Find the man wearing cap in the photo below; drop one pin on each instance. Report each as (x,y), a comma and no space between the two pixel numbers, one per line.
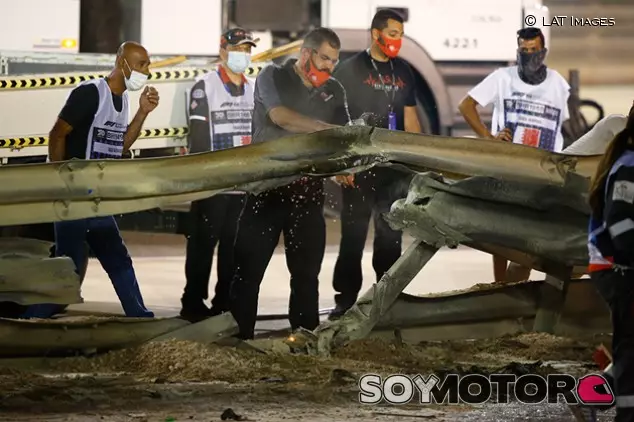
(220,107)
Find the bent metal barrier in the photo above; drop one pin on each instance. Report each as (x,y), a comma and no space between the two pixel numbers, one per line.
(78,188)
(520,202)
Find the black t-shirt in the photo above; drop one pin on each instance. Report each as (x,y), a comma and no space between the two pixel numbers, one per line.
(79,112)
(366,93)
(281,86)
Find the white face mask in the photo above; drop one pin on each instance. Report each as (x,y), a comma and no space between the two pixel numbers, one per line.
(238,61)
(136,80)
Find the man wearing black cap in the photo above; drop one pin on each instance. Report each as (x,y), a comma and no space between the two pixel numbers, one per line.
(298,97)
(220,107)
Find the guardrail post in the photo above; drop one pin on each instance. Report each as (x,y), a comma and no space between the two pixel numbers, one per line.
(574,126)
(552,297)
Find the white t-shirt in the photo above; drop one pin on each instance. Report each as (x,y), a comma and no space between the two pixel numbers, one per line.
(596,140)
(533,113)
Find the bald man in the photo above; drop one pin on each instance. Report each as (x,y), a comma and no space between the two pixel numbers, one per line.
(93,125)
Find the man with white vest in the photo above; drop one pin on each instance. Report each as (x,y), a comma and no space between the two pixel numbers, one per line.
(95,125)
(220,113)
(530,105)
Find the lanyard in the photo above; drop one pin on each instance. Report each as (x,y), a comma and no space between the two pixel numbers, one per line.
(383,87)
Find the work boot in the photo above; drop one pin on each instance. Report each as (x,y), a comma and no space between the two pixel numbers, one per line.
(337,312)
(195,312)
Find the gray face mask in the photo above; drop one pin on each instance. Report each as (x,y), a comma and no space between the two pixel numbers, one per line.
(531,66)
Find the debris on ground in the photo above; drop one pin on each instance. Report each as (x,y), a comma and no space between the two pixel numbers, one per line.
(230,415)
(178,376)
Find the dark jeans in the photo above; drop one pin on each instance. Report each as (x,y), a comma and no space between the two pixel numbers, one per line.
(103,237)
(213,221)
(297,211)
(618,291)
(375,191)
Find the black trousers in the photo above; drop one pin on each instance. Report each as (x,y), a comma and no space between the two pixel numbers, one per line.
(213,221)
(374,192)
(297,211)
(618,291)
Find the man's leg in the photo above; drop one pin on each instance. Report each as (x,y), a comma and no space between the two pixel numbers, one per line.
(618,291)
(226,267)
(106,242)
(206,221)
(258,234)
(70,241)
(304,245)
(355,216)
(390,185)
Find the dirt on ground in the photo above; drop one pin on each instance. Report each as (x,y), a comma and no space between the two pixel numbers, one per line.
(165,381)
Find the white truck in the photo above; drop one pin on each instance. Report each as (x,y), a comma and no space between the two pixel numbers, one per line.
(450,44)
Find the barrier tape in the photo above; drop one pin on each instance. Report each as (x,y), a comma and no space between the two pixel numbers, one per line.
(36,141)
(72,80)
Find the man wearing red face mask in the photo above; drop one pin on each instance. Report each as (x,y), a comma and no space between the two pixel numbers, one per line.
(298,97)
(379,83)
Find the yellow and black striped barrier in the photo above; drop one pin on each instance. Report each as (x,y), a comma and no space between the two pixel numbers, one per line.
(72,80)
(36,141)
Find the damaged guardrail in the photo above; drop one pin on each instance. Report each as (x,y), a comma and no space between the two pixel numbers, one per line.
(75,189)
(545,222)
(509,198)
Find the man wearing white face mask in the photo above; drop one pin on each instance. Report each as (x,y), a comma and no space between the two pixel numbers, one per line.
(95,124)
(220,111)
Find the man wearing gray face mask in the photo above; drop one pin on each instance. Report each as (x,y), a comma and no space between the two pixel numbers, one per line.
(530,105)
(220,113)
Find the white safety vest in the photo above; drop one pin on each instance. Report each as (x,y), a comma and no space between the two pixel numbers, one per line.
(229,117)
(105,137)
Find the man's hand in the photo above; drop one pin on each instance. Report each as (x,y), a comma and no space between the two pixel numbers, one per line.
(149,100)
(345,179)
(504,135)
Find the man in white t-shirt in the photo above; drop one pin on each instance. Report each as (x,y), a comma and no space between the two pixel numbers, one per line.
(530,106)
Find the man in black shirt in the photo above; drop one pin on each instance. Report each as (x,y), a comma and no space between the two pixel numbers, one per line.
(298,97)
(379,83)
(95,124)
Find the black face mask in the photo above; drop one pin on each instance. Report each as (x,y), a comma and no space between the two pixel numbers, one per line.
(531,66)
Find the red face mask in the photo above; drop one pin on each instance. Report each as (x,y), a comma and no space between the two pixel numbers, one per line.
(316,77)
(390,47)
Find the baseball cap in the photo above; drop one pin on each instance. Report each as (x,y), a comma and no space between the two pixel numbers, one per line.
(238,36)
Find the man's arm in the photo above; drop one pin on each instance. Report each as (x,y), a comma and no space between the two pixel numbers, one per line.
(483,94)
(619,216)
(147,103)
(199,139)
(81,105)
(468,109)
(266,94)
(411,121)
(295,122)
